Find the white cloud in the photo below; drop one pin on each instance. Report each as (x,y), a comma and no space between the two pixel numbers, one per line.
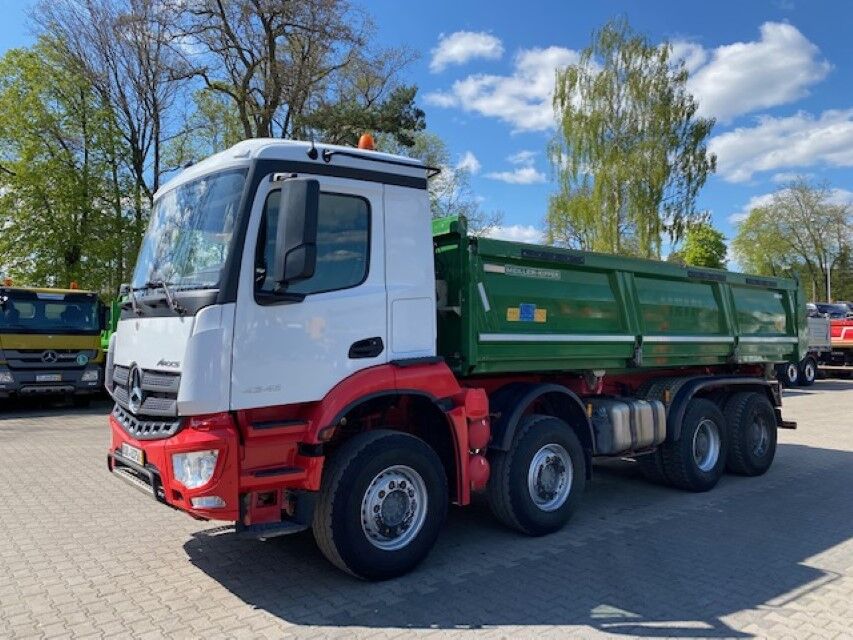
(440,99)
(743,77)
(789,176)
(524,157)
(521,175)
(841,197)
(517,233)
(693,54)
(522,99)
(776,144)
(755,201)
(468,162)
(463,46)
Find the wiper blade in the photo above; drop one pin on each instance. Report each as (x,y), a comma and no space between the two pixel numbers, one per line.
(174,305)
(133,304)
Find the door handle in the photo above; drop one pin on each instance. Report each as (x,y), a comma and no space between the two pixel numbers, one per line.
(367,348)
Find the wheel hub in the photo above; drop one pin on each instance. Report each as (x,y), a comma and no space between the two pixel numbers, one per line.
(758,437)
(549,478)
(393,508)
(706,445)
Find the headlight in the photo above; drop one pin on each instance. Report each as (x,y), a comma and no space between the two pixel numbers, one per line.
(194,469)
(89,375)
(6,377)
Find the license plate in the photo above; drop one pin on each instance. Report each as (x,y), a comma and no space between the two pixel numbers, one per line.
(49,377)
(133,454)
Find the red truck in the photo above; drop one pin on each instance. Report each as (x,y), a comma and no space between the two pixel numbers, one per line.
(303,347)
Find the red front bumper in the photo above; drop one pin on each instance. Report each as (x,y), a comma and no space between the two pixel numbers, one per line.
(156,476)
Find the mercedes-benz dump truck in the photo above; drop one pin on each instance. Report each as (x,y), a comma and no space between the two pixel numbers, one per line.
(303,347)
(50,343)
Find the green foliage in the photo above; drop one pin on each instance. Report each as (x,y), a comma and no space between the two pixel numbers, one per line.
(343,122)
(60,186)
(630,154)
(704,246)
(803,233)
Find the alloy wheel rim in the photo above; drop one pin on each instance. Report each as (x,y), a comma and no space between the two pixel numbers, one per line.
(394,508)
(549,477)
(759,437)
(706,444)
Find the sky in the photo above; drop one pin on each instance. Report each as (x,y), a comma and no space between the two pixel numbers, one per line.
(777,75)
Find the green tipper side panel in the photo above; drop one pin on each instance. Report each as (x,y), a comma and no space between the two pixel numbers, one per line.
(512,307)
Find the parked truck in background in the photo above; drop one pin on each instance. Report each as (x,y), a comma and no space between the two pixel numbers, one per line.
(303,347)
(804,373)
(838,361)
(50,342)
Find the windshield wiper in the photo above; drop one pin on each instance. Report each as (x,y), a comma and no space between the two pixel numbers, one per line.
(174,305)
(133,304)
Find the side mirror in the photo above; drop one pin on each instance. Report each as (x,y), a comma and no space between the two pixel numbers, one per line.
(296,233)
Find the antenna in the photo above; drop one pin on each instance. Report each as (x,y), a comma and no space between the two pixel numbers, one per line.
(312,152)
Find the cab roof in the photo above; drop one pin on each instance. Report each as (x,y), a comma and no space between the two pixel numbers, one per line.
(243,153)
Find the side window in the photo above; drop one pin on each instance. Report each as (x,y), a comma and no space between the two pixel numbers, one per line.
(343,245)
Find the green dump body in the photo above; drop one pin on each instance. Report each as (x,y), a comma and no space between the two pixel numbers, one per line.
(508,307)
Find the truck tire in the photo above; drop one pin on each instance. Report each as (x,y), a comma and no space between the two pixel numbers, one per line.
(697,459)
(382,501)
(807,372)
(751,432)
(788,374)
(536,485)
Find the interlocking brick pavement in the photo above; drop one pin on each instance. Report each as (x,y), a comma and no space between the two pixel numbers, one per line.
(84,555)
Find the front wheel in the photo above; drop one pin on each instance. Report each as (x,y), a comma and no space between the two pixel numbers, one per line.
(382,501)
(536,485)
(807,372)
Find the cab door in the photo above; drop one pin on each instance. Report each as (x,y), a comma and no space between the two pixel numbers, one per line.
(295,351)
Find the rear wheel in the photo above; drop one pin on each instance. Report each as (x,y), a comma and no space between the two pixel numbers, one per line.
(752,433)
(382,501)
(536,485)
(697,459)
(807,372)
(788,374)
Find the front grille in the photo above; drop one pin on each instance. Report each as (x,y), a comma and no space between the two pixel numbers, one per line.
(145,429)
(35,358)
(155,417)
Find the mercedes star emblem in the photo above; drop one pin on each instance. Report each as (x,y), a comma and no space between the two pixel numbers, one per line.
(49,357)
(136,397)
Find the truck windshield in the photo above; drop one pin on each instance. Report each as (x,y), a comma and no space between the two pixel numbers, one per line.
(189,235)
(834,311)
(32,312)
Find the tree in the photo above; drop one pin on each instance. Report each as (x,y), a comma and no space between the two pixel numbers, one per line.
(800,230)
(125,50)
(450,191)
(60,185)
(704,246)
(293,66)
(630,154)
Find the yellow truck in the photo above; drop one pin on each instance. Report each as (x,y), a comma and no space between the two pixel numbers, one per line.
(50,342)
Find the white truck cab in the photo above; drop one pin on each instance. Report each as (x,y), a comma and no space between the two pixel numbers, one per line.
(212,327)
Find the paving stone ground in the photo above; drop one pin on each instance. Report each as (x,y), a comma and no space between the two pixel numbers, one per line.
(82,554)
